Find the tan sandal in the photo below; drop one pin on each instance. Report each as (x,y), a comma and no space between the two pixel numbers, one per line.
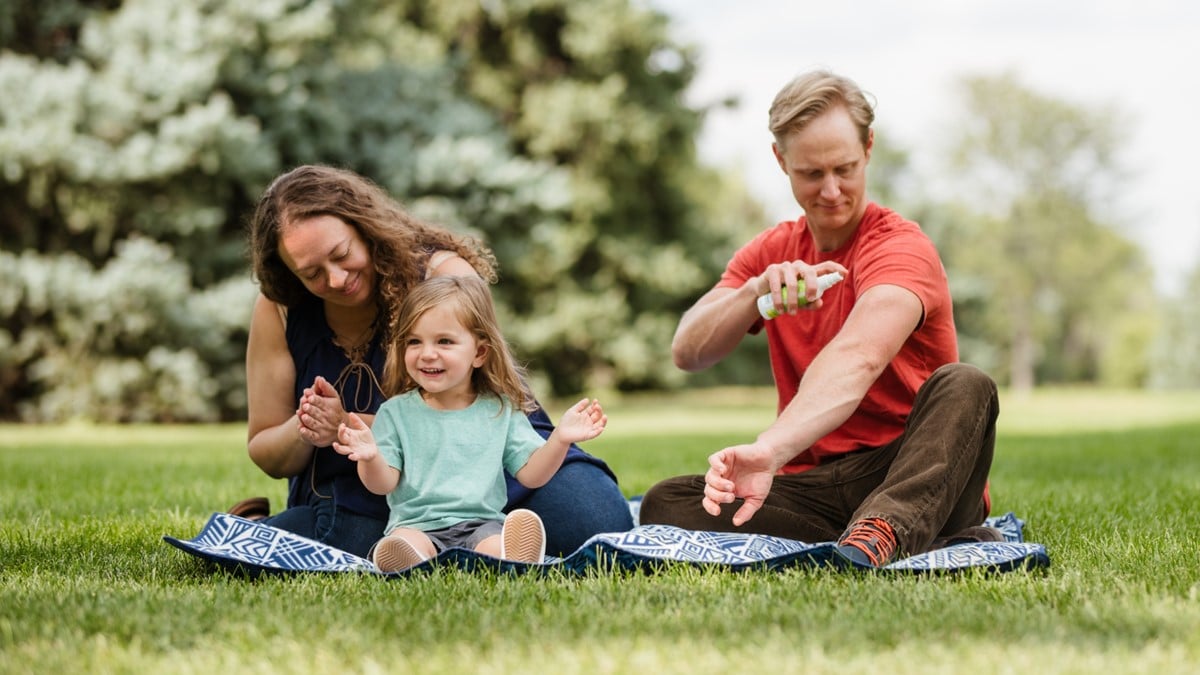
(254,508)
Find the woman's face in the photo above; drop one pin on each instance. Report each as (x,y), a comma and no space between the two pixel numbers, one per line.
(330,259)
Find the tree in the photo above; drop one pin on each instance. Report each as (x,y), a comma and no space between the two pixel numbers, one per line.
(120,158)
(1039,245)
(595,89)
(136,136)
(1175,354)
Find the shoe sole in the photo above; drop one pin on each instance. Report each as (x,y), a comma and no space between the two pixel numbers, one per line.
(852,559)
(393,554)
(523,538)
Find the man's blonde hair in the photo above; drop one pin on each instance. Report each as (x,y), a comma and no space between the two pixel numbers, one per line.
(812,94)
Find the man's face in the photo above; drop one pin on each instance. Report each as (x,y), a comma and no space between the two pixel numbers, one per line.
(826,164)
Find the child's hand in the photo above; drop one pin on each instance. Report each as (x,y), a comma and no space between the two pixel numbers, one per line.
(583,422)
(355,440)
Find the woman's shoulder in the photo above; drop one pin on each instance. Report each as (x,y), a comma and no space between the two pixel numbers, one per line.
(436,259)
(304,325)
(268,314)
(443,262)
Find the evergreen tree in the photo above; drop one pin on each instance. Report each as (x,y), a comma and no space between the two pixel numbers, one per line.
(135,137)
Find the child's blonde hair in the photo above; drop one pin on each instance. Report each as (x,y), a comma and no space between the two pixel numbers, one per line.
(472,301)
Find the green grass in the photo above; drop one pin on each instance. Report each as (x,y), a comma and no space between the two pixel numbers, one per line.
(1110,483)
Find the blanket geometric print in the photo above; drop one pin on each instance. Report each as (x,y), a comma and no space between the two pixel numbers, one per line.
(250,548)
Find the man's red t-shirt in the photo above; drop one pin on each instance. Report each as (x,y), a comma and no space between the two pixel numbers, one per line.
(886,249)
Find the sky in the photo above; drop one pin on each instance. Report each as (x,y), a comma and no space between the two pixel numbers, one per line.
(1141,58)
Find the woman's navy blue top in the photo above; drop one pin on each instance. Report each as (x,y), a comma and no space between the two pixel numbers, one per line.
(310,341)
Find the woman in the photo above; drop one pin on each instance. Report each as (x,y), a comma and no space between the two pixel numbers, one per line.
(334,256)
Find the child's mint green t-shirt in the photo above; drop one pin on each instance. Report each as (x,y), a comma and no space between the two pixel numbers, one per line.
(451,462)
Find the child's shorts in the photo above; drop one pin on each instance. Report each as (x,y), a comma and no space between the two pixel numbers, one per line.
(466,534)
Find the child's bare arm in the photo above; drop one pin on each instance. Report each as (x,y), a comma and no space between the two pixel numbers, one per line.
(582,422)
(357,443)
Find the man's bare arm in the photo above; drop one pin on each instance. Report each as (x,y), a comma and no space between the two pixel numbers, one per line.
(837,380)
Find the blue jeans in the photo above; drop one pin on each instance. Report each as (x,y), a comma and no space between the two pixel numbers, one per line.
(322,520)
(581,500)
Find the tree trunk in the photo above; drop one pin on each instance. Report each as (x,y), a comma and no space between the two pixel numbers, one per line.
(1021,363)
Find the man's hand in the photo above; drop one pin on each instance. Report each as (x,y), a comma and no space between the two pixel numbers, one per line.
(320,413)
(739,472)
(784,276)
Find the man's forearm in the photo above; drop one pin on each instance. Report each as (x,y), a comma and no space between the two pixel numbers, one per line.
(713,328)
(831,390)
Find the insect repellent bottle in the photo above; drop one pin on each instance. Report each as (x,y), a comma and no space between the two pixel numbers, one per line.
(766,307)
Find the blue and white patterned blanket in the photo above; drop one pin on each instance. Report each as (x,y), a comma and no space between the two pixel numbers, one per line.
(252,548)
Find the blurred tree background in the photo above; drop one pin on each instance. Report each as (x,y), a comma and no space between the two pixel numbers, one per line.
(1047,289)
(136,135)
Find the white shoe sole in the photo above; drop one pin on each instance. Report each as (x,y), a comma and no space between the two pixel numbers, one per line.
(393,554)
(523,538)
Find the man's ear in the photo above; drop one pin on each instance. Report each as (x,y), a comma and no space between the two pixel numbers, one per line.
(779,157)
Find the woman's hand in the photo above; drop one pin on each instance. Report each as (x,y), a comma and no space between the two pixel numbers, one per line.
(320,413)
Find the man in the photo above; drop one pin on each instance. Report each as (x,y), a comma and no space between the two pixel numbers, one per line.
(883,440)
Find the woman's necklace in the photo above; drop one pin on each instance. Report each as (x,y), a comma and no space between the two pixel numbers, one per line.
(366,384)
(356,348)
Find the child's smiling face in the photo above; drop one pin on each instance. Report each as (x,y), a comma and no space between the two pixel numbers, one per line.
(440,355)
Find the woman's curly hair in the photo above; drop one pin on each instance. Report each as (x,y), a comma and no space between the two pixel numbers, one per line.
(398,243)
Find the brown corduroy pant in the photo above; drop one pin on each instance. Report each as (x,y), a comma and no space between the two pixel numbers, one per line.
(928,482)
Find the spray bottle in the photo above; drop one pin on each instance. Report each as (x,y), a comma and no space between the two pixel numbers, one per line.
(766,306)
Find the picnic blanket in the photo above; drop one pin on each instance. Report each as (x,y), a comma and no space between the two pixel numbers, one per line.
(249,547)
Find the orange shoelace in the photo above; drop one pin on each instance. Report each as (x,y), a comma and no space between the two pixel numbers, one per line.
(874,537)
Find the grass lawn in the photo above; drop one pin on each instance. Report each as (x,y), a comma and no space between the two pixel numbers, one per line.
(1109,482)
